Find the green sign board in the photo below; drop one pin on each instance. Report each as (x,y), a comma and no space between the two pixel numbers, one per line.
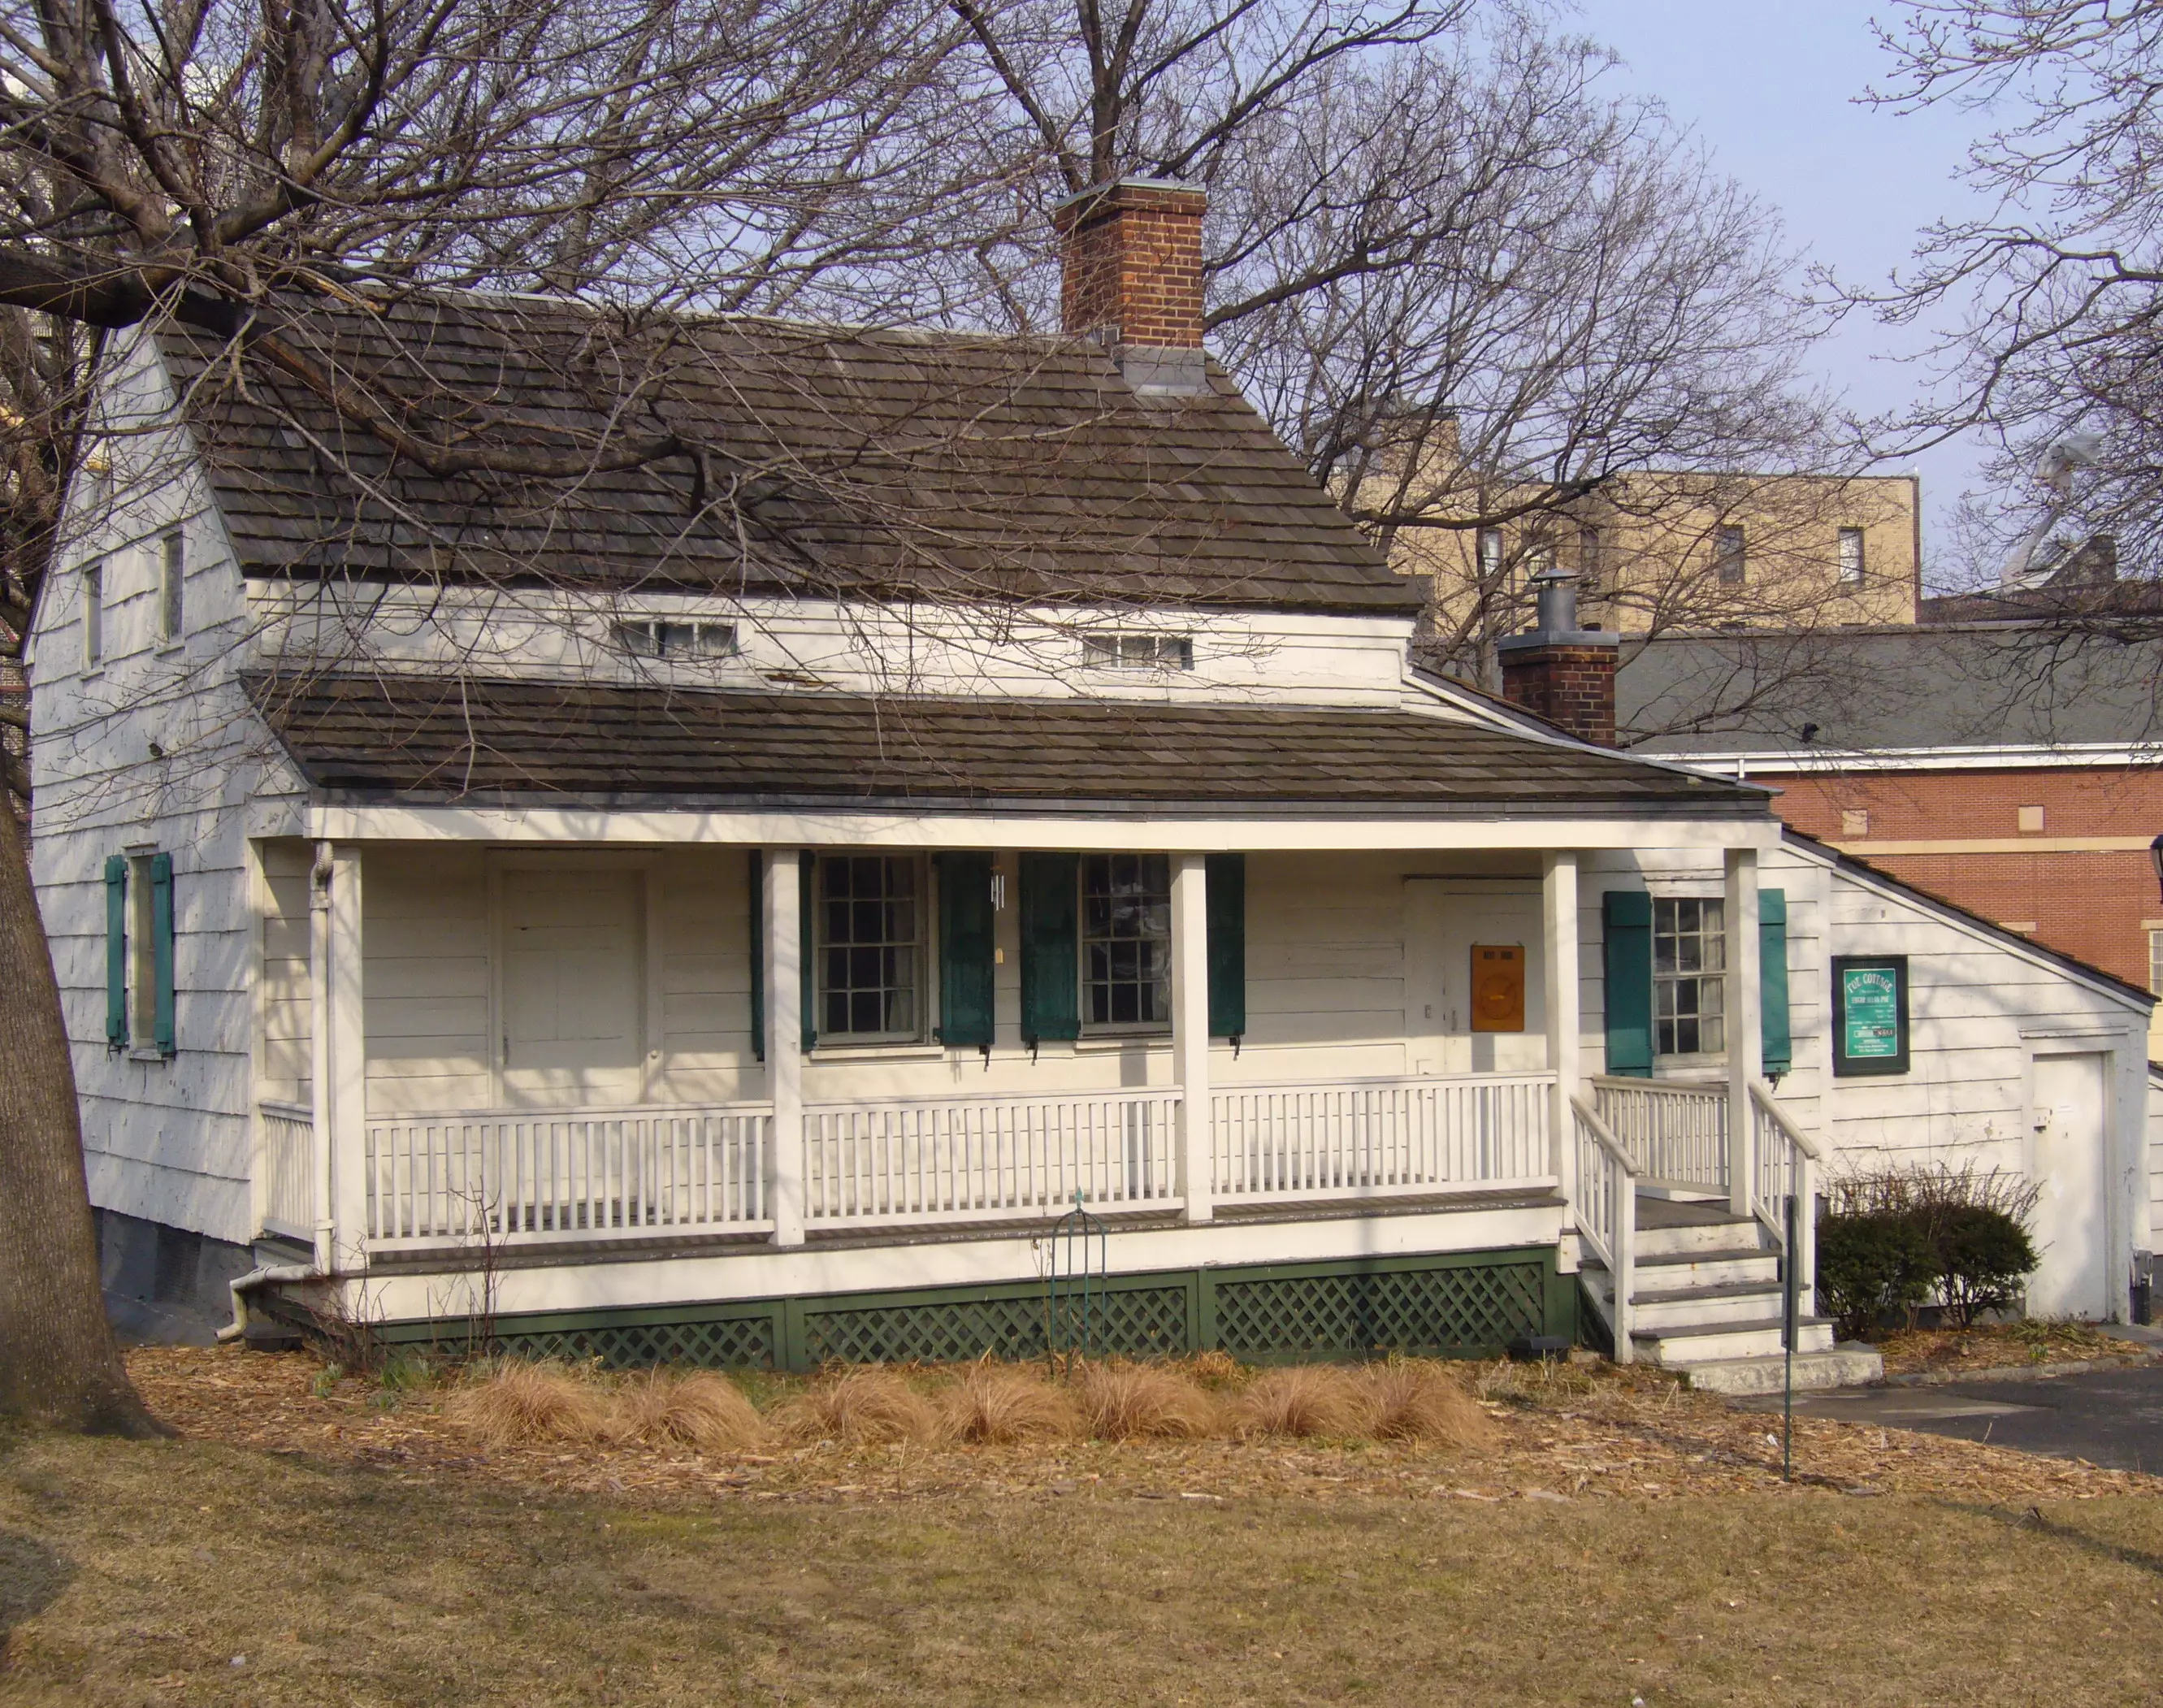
(1870,998)
(1870,1013)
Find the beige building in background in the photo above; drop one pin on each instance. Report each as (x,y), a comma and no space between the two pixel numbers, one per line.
(1661,552)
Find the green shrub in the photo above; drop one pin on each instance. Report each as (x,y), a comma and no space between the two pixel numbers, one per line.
(1983,1255)
(1873,1263)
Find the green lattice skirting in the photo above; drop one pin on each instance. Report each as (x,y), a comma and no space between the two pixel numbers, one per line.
(1466,1304)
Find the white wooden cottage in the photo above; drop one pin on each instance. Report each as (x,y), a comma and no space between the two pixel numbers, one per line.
(743,931)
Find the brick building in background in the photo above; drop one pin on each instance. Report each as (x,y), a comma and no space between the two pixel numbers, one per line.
(2006,766)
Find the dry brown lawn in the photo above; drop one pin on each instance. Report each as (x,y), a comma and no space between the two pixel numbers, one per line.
(1614,1539)
(194,1572)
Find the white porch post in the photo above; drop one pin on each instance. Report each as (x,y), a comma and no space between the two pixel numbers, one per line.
(1190,1030)
(324,1207)
(1559,899)
(346,1032)
(784,1041)
(1745,1040)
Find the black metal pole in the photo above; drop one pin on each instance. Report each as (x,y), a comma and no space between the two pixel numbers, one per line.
(1790,1314)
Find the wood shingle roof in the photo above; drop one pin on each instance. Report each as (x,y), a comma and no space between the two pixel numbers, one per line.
(384,736)
(811,460)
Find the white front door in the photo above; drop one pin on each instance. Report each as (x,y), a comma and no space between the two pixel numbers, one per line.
(572,975)
(1447,921)
(2071,1219)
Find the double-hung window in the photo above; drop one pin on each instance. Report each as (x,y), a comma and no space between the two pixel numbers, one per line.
(1126,942)
(1850,556)
(870,950)
(1730,555)
(1689,982)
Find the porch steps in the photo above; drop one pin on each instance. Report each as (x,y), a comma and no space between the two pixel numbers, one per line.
(1706,1301)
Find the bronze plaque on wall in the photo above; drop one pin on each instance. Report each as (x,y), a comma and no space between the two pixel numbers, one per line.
(1498,987)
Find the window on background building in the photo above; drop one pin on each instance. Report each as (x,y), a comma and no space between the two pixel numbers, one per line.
(1134,652)
(2031,818)
(1728,558)
(1855,822)
(1126,941)
(1490,557)
(870,927)
(1690,985)
(172,587)
(1850,554)
(1591,557)
(2155,963)
(93,615)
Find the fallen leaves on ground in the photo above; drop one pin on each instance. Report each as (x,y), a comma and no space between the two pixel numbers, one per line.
(2002,1345)
(1565,1431)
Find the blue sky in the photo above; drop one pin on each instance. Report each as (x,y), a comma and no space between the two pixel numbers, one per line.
(1769,86)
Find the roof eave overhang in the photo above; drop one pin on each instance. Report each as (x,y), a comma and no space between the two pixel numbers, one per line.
(1173,825)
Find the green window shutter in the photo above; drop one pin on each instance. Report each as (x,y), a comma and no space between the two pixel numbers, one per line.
(161,951)
(965,951)
(806,943)
(1627,921)
(1050,947)
(757,864)
(115,951)
(1228,946)
(1779,1051)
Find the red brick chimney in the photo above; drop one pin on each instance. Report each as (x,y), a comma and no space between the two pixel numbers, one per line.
(1565,674)
(1131,276)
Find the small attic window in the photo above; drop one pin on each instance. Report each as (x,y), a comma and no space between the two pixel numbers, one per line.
(1138,652)
(653,638)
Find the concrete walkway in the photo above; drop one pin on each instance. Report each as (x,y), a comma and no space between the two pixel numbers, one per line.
(2109,1417)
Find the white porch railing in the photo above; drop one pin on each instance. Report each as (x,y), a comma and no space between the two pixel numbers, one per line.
(519,1179)
(1785,1163)
(1377,1138)
(289,1169)
(988,1158)
(1607,1212)
(1676,1134)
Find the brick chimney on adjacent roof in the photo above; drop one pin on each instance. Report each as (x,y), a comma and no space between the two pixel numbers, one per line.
(1131,277)
(1565,674)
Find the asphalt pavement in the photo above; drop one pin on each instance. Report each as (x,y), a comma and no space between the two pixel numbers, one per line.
(2111,1417)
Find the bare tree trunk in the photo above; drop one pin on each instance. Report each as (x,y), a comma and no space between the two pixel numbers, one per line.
(59,1364)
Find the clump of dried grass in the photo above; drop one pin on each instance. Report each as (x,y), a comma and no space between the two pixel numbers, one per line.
(1303,1401)
(1416,1399)
(515,1404)
(862,1404)
(1139,1402)
(1212,1369)
(997,1405)
(695,1408)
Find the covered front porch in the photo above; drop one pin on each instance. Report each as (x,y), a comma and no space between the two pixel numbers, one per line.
(602,1076)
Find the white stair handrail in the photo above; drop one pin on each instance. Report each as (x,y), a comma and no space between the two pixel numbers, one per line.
(1789,1166)
(1607,1212)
